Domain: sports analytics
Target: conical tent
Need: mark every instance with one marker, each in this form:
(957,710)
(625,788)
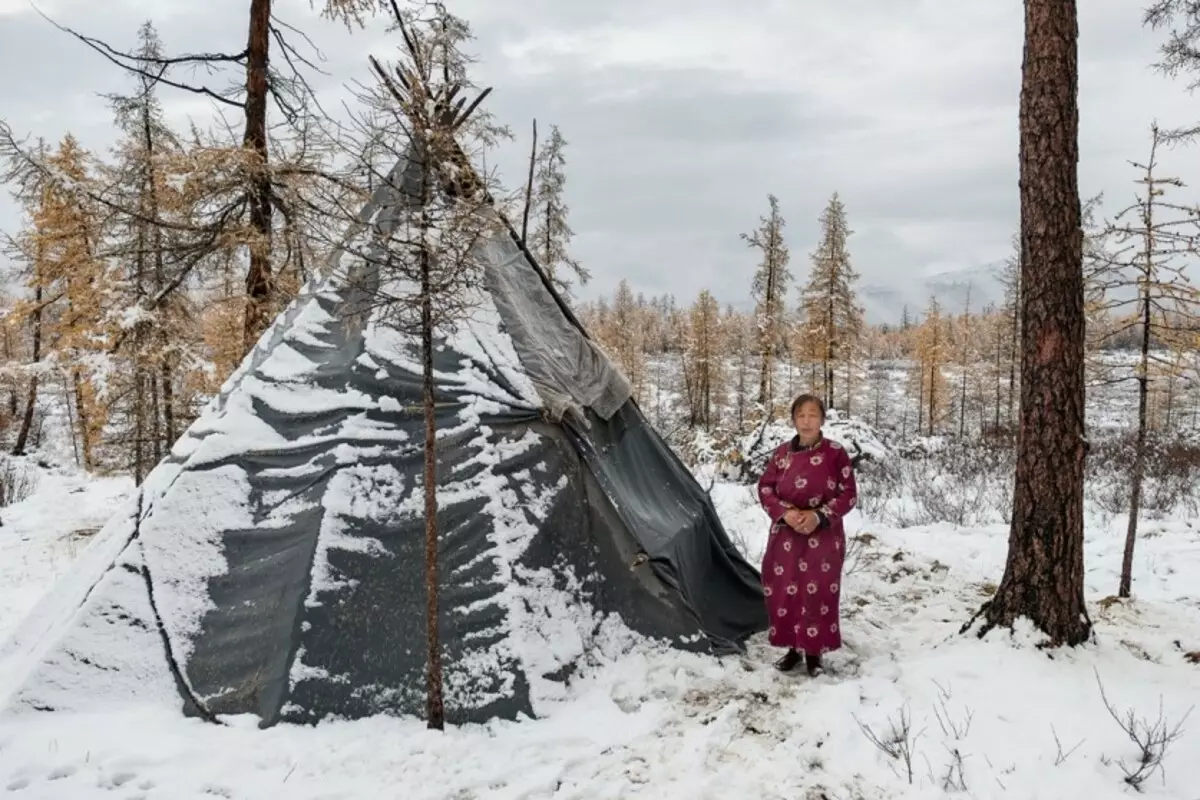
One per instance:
(273,563)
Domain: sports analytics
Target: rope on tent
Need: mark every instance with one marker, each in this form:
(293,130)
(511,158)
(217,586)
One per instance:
(176,671)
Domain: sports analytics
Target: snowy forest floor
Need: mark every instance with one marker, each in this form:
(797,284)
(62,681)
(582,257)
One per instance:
(993,718)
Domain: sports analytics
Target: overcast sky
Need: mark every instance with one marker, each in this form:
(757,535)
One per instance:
(682,115)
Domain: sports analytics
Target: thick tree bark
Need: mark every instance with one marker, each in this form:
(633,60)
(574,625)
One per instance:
(1043,578)
(258,276)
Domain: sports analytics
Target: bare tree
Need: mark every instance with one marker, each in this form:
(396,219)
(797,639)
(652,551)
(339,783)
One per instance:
(1144,282)
(1181,51)
(430,271)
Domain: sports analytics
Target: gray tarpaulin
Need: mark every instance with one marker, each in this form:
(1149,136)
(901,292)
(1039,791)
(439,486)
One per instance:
(313,600)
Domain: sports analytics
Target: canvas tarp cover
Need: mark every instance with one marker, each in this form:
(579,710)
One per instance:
(281,544)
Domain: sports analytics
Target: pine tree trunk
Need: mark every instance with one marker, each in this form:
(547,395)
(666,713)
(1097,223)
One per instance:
(920,398)
(36,357)
(829,352)
(258,193)
(529,190)
(766,332)
(933,369)
(1170,398)
(70,406)
(547,261)
(1043,577)
(434,704)
(962,404)
(434,701)
(849,388)
(999,348)
(1139,452)
(170,432)
(83,413)
(156,437)
(1014,334)
(139,426)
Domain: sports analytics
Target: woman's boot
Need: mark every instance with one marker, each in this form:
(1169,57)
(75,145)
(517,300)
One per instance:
(789,661)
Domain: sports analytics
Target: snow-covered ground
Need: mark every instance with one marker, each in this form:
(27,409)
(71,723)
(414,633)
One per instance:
(41,537)
(993,718)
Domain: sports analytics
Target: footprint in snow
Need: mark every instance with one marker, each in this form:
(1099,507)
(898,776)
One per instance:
(117,780)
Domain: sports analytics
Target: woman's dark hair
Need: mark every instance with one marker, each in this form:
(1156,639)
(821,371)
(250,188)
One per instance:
(805,399)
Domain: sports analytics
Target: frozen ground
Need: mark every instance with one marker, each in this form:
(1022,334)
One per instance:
(997,718)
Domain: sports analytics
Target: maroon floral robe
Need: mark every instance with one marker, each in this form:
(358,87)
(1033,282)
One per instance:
(802,574)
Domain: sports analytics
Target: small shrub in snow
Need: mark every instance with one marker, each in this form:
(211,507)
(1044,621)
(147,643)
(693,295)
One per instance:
(17,481)
(961,484)
(1172,481)
(898,744)
(1152,738)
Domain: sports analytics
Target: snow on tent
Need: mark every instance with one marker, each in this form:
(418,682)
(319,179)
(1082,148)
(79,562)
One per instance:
(273,563)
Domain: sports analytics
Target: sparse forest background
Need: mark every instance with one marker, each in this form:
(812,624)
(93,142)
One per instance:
(143,275)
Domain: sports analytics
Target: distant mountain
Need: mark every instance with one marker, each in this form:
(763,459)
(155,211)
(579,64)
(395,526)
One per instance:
(884,303)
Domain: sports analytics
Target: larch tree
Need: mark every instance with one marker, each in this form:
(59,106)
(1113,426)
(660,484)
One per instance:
(1043,575)
(30,190)
(703,363)
(833,320)
(11,363)
(1143,280)
(993,330)
(1010,279)
(879,377)
(963,332)
(932,355)
(769,291)
(431,273)
(625,342)
(72,289)
(261,84)
(158,339)
(740,340)
(551,236)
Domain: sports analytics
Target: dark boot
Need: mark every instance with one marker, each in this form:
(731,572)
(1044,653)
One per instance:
(813,664)
(788,662)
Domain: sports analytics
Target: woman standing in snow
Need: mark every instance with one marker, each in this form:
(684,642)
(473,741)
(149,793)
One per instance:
(807,488)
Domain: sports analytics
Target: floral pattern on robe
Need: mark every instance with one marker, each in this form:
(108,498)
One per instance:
(802,574)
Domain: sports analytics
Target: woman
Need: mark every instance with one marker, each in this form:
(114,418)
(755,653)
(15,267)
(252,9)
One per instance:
(807,488)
